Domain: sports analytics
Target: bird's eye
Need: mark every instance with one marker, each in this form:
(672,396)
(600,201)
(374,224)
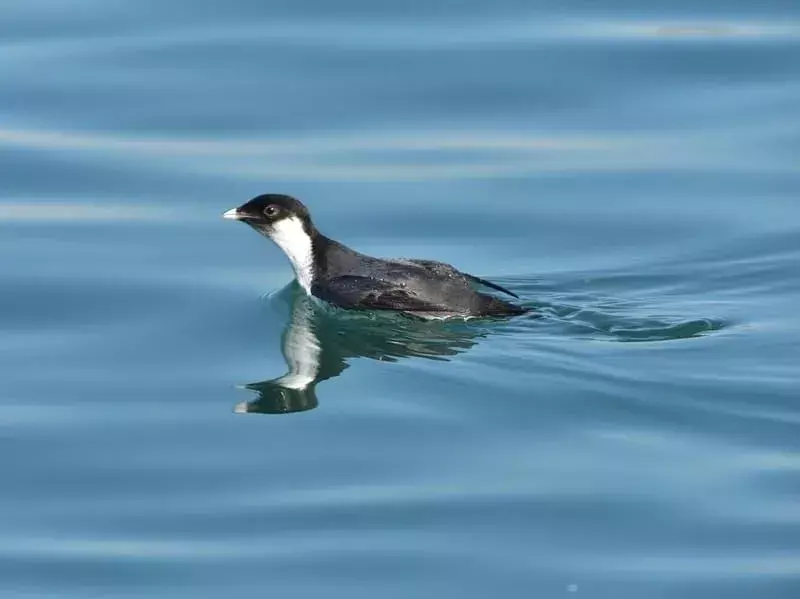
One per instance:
(271,210)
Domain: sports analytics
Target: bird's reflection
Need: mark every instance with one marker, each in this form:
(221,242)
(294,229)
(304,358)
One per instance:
(318,344)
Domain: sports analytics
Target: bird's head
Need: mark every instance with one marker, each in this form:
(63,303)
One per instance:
(274,214)
(285,221)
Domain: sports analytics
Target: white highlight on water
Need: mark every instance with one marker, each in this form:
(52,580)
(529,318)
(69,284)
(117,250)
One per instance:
(301,348)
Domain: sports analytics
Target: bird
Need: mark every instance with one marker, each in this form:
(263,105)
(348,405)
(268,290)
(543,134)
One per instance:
(335,274)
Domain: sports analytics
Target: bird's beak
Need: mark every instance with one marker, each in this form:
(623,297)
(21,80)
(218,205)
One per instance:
(232,214)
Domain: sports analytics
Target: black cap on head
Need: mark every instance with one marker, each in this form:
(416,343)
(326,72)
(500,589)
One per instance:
(263,211)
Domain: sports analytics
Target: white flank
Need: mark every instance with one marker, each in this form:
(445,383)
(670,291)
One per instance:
(292,238)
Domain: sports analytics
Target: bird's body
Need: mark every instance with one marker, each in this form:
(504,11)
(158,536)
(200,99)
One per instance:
(334,273)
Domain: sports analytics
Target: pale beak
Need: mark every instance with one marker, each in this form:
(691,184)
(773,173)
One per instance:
(232,214)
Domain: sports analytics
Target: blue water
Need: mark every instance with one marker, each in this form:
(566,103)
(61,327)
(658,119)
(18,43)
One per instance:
(630,169)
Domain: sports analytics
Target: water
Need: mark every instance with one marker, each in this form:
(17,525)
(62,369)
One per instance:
(631,171)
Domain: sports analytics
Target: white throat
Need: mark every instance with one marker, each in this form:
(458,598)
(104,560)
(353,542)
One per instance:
(292,238)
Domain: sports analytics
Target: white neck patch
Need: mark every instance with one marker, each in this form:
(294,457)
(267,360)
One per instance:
(291,237)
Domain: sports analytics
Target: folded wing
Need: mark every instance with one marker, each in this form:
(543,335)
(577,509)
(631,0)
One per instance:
(442,267)
(351,291)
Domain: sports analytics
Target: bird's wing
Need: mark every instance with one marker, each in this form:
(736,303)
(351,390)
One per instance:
(352,291)
(441,266)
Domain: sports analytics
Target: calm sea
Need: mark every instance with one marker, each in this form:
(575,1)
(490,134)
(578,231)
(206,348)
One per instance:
(631,169)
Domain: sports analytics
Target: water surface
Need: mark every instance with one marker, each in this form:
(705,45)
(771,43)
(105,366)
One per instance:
(631,171)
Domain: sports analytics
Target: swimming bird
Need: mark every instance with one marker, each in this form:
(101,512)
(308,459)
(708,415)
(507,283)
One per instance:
(333,273)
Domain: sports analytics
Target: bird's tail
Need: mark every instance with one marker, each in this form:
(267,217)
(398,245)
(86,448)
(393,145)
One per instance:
(490,284)
(497,307)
